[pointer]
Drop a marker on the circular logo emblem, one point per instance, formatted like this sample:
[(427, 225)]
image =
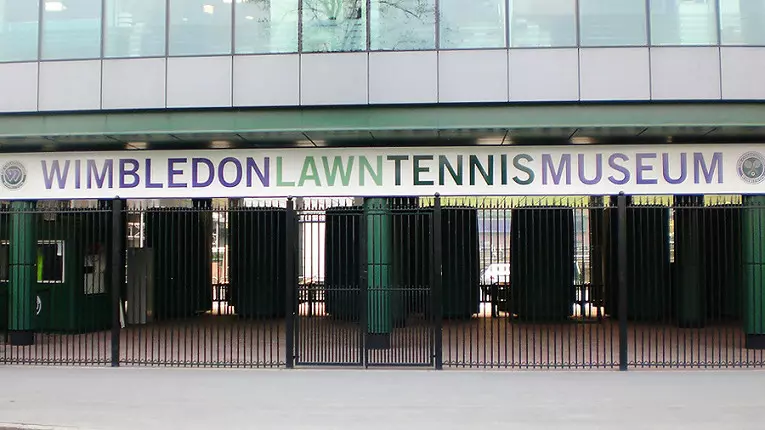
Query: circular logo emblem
[(13, 175), (751, 167), (38, 308)]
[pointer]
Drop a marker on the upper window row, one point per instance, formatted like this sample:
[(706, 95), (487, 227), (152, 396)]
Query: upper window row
[(80, 29)]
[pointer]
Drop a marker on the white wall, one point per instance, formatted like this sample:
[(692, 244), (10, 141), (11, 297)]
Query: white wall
[(380, 78)]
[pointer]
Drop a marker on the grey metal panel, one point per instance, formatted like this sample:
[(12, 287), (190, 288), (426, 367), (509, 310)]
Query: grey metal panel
[(18, 87), (685, 73), (615, 74), (743, 73), (70, 85), (134, 83), (267, 80), (334, 79), (199, 82), (473, 76), (403, 77), (544, 74)]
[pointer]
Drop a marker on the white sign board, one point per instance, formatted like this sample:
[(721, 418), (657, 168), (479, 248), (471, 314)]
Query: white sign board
[(324, 172)]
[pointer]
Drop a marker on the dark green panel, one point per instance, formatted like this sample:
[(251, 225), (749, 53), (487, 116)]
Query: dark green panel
[(542, 275), (257, 265)]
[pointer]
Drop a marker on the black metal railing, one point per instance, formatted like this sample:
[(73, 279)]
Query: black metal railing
[(613, 282)]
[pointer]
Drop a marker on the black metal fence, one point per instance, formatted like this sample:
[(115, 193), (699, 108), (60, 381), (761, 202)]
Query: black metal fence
[(474, 282)]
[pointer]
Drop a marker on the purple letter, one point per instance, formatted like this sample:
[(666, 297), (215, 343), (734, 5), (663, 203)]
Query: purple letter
[(265, 177), (644, 168), (172, 172), (598, 170), (563, 167), (683, 169), (619, 168), (106, 172), (222, 168), (55, 170), (150, 184), (124, 172), (700, 166), (195, 182)]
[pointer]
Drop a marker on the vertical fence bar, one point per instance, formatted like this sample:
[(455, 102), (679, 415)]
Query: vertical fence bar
[(291, 280), (118, 266), (363, 288), (436, 301), (621, 240)]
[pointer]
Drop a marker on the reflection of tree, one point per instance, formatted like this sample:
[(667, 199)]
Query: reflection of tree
[(339, 25)]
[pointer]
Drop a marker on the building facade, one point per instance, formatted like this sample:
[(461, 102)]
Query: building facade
[(482, 183)]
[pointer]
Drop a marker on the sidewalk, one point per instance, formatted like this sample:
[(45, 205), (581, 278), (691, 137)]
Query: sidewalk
[(136, 398)]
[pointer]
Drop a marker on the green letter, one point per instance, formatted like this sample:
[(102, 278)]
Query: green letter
[(475, 163), (279, 181), (337, 164), (398, 159), (421, 169), (309, 163), (443, 165), (526, 169), (376, 176)]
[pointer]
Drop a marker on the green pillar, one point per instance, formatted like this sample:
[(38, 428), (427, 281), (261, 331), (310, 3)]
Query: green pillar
[(689, 266), (754, 271), (379, 316), (21, 273)]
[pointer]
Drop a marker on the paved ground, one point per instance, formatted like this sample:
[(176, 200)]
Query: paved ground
[(136, 398)]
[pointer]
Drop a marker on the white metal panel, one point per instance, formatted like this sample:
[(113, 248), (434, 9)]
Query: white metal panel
[(615, 74), (136, 83), (199, 82), (473, 76), (685, 73), (70, 85), (18, 87), (743, 73), (544, 75), (267, 80), (334, 79), (403, 77)]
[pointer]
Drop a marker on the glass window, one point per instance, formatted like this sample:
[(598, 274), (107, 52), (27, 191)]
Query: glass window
[(267, 26), (50, 261), (71, 29), (538, 23), (741, 22), (334, 25), (472, 24), (18, 30), (683, 22), (612, 23), (200, 27), (403, 24), (134, 28)]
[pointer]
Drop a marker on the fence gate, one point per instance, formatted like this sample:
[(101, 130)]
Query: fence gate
[(372, 306)]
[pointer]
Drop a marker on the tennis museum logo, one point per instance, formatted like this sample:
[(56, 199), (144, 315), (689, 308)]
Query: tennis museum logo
[(751, 167), (13, 175)]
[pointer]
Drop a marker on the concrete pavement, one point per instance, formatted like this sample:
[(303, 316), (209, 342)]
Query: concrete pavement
[(151, 398)]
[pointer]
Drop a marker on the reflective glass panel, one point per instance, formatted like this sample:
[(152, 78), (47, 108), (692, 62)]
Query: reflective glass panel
[(472, 24), (200, 27), (402, 24), (683, 22), (334, 25), (134, 28), (542, 23), (18, 30), (612, 23), (742, 22), (71, 29), (266, 26)]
